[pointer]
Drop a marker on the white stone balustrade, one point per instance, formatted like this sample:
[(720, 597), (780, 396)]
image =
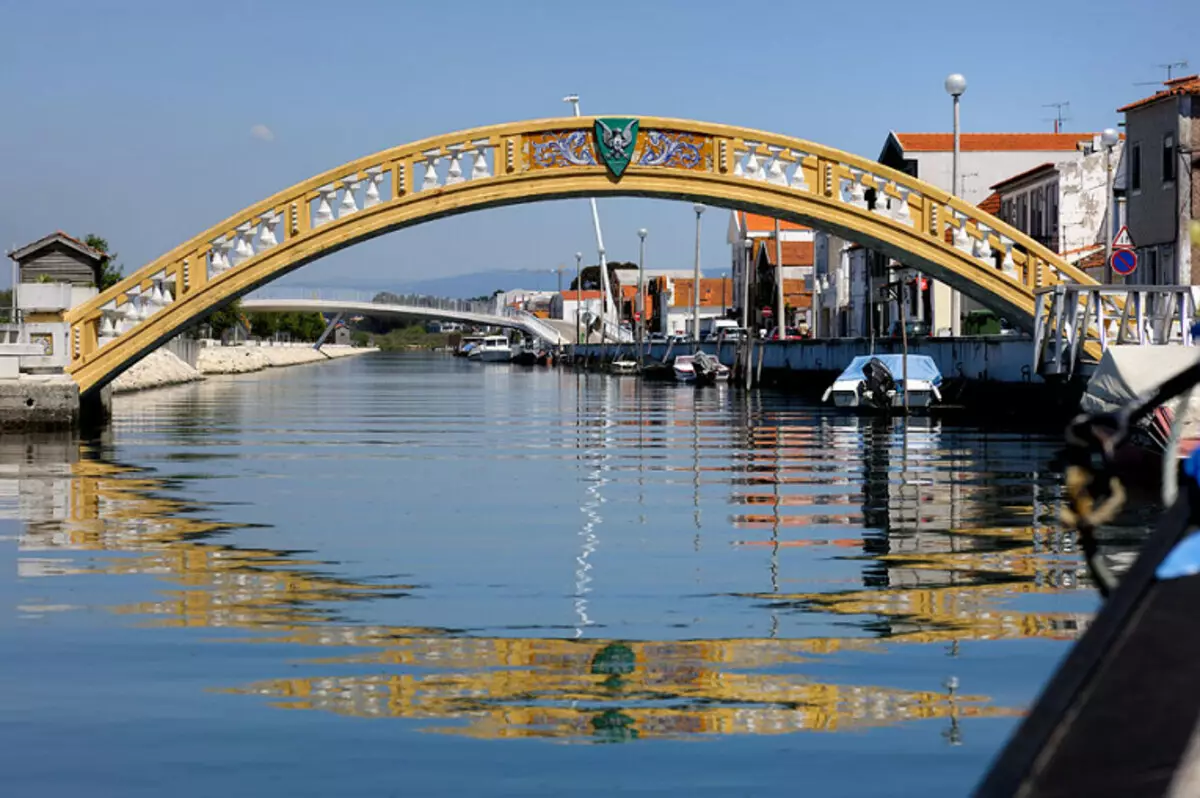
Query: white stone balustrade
[(324, 213), (754, 169), (431, 180), (266, 231), (371, 196), (797, 180), (775, 171), (454, 171), (480, 170), (348, 205), (242, 249)]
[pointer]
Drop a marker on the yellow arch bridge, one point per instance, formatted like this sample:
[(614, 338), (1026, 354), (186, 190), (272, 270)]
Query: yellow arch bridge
[(737, 168)]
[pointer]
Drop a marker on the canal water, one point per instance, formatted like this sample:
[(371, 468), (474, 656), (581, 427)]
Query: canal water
[(415, 575)]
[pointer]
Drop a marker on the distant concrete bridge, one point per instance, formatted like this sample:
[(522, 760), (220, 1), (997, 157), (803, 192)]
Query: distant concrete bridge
[(431, 310)]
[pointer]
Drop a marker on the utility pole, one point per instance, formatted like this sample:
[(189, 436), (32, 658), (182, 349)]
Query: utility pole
[(780, 319), (573, 99)]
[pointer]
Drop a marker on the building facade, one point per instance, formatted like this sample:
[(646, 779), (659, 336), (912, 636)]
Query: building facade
[(984, 160), (1162, 195)]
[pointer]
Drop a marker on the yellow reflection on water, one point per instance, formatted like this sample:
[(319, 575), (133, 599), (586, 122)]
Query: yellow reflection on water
[(73, 500)]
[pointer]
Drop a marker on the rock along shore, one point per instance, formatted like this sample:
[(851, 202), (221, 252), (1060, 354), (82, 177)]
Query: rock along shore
[(162, 367)]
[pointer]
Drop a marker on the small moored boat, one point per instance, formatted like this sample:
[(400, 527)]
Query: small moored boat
[(623, 366), (494, 349), (700, 368), (876, 382)]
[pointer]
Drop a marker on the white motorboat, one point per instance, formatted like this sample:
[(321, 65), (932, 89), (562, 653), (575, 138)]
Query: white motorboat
[(876, 382), (685, 369), (623, 366), (494, 349), (700, 368)]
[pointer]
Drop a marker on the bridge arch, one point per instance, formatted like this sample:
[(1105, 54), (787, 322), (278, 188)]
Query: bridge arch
[(720, 165)]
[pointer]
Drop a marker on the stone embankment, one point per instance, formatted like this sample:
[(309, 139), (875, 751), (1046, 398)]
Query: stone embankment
[(162, 368)]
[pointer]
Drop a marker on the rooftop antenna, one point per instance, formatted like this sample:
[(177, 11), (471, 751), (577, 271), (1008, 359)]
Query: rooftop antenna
[(1059, 118), (1171, 67)]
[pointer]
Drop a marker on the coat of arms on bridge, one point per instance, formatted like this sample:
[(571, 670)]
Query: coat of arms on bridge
[(614, 141)]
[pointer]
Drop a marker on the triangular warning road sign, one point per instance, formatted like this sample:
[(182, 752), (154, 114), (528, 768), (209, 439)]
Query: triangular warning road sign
[(1123, 239)]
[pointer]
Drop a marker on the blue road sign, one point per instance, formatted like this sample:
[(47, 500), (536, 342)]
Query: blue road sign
[(1124, 261)]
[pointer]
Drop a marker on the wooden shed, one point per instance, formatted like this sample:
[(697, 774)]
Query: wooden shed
[(61, 259)]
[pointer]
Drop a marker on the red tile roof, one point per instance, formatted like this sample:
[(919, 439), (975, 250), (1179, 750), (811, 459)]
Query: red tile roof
[(795, 253), (1174, 88), (575, 296), (991, 204), (765, 224), (992, 142), (22, 252), (1022, 175)]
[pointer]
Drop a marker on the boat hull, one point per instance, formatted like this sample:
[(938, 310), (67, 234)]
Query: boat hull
[(496, 355)]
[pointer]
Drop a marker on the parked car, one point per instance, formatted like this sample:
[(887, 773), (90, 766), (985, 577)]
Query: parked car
[(791, 334), (657, 338), (729, 334), (682, 338)]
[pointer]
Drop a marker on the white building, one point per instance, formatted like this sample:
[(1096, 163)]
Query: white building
[(985, 159), (1062, 204), (568, 304)]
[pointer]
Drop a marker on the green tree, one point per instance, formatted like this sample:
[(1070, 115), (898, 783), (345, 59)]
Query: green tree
[(225, 318), (590, 275), (110, 270)]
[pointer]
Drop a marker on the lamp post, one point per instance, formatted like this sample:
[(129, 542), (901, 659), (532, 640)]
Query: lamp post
[(578, 299), (747, 247), (640, 304), (699, 209), (724, 275), (1109, 139), (955, 85), (780, 307)]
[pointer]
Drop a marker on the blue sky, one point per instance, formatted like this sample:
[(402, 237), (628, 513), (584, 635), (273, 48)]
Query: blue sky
[(134, 118)]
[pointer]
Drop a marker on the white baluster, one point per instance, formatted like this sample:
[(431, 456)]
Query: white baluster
[(798, 181), (143, 308), (858, 190), (266, 233), (156, 296), (775, 173), (902, 213), (217, 262), (983, 245), (241, 249), (107, 328), (480, 169), (168, 288), (374, 180), (348, 205), (738, 155), (881, 197), (454, 172), (753, 167), (962, 241), (1008, 265), (325, 205), (430, 180)]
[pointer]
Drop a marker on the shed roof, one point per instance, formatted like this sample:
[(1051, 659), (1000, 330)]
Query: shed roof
[(1171, 88), (58, 237)]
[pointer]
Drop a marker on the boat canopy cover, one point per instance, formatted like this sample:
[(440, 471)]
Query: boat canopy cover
[(920, 367), (1129, 371)]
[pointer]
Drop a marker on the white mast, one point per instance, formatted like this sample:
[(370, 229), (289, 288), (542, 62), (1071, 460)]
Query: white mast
[(573, 99)]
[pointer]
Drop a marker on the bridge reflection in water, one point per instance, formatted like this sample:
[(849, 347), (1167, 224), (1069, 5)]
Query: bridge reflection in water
[(929, 577)]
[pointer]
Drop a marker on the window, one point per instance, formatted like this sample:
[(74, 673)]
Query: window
[(1006, 211), (1052, 215), (1022, 221), (1135, 167), (1168, 158), (1035, 214)]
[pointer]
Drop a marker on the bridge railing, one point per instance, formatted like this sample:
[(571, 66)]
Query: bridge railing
[(550, 158), (1072, 319), (375, 297)]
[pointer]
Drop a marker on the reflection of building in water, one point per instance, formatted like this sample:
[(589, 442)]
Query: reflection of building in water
[(487, 687), (923, 512)]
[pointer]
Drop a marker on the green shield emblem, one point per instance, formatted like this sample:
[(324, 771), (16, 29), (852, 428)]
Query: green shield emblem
[(614, 141)]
